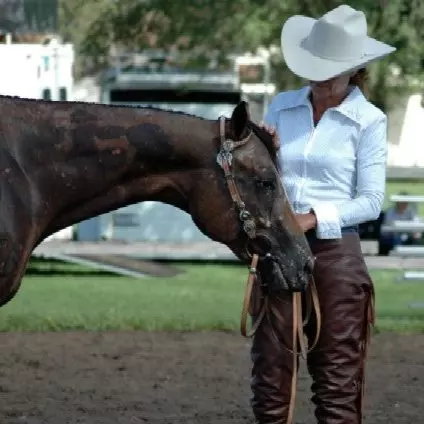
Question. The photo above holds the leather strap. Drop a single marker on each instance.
(370, 321)
(224, 159)
(248, 295)
(297, 328)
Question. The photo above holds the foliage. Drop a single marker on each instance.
(205, 29)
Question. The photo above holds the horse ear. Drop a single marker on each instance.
(239, 119)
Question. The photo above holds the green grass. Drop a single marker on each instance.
(57, 296)
(392, 299)
(205, 297)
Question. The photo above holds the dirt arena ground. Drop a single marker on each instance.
(130, 378)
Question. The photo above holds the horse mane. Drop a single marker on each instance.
(103, 105)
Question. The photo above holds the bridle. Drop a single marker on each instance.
(225, 161)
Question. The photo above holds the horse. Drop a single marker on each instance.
(64, 162)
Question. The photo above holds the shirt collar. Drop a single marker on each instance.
(350, 107)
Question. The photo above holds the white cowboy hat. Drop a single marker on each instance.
(335, 44)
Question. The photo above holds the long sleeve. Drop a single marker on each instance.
(371, 180)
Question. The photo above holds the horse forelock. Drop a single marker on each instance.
(267, 141)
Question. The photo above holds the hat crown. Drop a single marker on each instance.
(338, 35)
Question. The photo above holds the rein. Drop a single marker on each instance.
(224, 159)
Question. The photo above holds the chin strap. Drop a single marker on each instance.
(298, 337)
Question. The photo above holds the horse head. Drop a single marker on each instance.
(239, 200)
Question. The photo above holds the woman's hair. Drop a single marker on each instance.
(360, 79)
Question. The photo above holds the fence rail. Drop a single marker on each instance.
(405, 173)
(408, 251)
(402, 226)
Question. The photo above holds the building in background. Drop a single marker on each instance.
(37, 71)
(153, 80)
(34, 63)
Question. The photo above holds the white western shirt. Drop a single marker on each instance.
(337, 168)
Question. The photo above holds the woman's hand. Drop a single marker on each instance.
(306, 221)
(272, 131)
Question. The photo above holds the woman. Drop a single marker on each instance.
(333, 156)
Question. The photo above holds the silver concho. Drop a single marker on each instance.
(249, 227)
(245, 215)
(224, 154)
(228, 145)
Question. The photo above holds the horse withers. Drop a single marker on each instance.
(64, 162)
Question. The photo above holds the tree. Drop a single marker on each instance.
(396, 22)
(202, 29)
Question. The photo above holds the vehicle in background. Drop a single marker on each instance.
(153, 80)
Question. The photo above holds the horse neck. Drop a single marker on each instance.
(103, 158)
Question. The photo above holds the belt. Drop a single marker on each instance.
(311, 234)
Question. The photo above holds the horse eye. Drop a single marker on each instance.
(267, 184)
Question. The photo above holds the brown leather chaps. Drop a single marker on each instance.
(337, 363)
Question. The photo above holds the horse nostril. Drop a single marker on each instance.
(261, 245)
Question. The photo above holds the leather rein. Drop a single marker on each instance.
(225, 159)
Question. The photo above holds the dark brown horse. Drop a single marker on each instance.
(64, 162)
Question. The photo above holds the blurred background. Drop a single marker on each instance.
(147, 267)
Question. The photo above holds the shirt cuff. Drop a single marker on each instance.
(328, 221)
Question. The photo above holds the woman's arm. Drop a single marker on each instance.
(371, 182)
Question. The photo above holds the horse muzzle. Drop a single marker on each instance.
(280, 270)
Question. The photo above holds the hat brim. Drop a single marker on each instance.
(313, 68)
